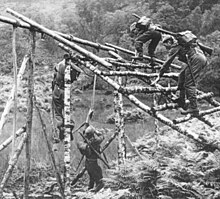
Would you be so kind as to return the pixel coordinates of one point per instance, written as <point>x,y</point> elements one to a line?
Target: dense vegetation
<point>175,167</point>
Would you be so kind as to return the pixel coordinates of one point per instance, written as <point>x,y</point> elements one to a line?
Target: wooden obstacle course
<point>113,65</point>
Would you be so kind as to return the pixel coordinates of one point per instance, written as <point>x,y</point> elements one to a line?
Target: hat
<point>90,131</point>
<point>66,56</point>
<point>166,38</point>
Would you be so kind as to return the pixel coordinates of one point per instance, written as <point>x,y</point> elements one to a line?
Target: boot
<point>181,102</point>
<point>138,55</point>
<point>192,111</point>
<point>152,61</point>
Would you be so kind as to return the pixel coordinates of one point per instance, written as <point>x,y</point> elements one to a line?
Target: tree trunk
<point>11,97</point>
<point>29,116</point>
<point>67,141</point>
<point>9,140</point>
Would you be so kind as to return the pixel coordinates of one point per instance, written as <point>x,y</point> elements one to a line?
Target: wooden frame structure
<point>113,65</point>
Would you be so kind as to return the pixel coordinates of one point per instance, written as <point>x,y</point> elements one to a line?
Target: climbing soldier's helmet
<point>89,132</point>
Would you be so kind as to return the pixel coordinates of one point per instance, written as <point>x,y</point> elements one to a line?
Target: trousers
<point>152,35</point>
<point>189,77</point>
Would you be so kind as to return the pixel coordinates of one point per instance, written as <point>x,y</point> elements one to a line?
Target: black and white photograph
<point>110,99</point>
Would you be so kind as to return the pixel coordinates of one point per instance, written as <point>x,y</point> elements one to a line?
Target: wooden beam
<point>12,163</point>
<point>11,97</point>
<point>29,116</point>
<point>9,140</point>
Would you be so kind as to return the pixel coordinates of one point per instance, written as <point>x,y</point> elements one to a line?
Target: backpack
<point>133,30</point>
<point>187,38</point>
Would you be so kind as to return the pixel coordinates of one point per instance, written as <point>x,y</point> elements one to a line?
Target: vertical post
<point>15,87</point>
<point>29,115</point>
<point>58,177</point>
<point>119,123</point>
<point>156,122</point>
<point>67,140</point>
<point>12,163</point>
<point>11,97</point>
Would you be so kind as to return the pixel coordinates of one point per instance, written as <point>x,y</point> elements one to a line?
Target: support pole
<point>15,86</point>
<point>9,140</point>
<point>29,116</point>
<point>11,97</point>
<point>119,123</point>
<point>67,140</point>
<point>12,163</point>
<point>58,176</point>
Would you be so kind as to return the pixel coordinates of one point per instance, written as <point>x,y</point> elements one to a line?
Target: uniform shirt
<point>87,151</point>
<point>60,73</point>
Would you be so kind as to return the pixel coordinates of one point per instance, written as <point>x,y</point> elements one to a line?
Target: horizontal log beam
<point>133,54</point>
<point>201,114</point>
<point>138,74</point>
<point>144,89</point>
<point>130,65</point>
<point>164,107</point>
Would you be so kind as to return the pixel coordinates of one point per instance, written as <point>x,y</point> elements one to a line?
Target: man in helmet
<point>95,138</point>
<point>58,90</point>
<point>195,60</point>
<point>145,31</point>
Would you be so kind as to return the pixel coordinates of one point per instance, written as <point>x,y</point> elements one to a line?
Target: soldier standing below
<point>190,53</point>
<point>58,91</point>
<point>94,170</point>
<point>145,31</point>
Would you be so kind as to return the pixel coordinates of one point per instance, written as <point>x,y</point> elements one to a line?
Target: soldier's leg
<point>155,39</point>
<point>181,88</point>
<point>98,176</point>
<point>190,88</point>
<point>139,42</point>
<point>89,168</point>
<point>58,104</point>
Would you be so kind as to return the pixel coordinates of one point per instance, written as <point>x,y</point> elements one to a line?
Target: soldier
<point>145,30</point>
<point>94,170</point>
<point>58,91</point>
<point>195,60</point>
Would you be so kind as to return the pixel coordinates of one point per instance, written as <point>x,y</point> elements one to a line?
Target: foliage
<point>172,168</point>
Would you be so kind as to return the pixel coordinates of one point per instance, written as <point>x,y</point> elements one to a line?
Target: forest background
<point>99,21</point>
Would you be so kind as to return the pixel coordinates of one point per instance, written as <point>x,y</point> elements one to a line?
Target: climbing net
<point>115,66</point>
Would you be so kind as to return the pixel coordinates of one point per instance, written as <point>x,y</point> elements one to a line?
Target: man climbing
<point>94,170</point>
<point>189,53</point>
<point>58,91</point>
<point>145,31</point>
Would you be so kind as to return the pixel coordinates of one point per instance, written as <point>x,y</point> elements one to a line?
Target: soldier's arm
<point>82,146</point>
<point>74,66</point>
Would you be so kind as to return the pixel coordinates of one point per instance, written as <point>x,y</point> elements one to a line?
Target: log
<point>129,65</point>
<point>58,176</point>
<point>9,140</point>
<point>67,137</point>
<point>12,163</point>
<point>133,54</point>
<point>29,116</point>
<point>119,123</point>
<point>201,114</point>
<point>15,86</point>
<point>60,39</point>
<point>175,105</point>
<point>147,89</point>
<point>11,97</point>
<point>138,74</point>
